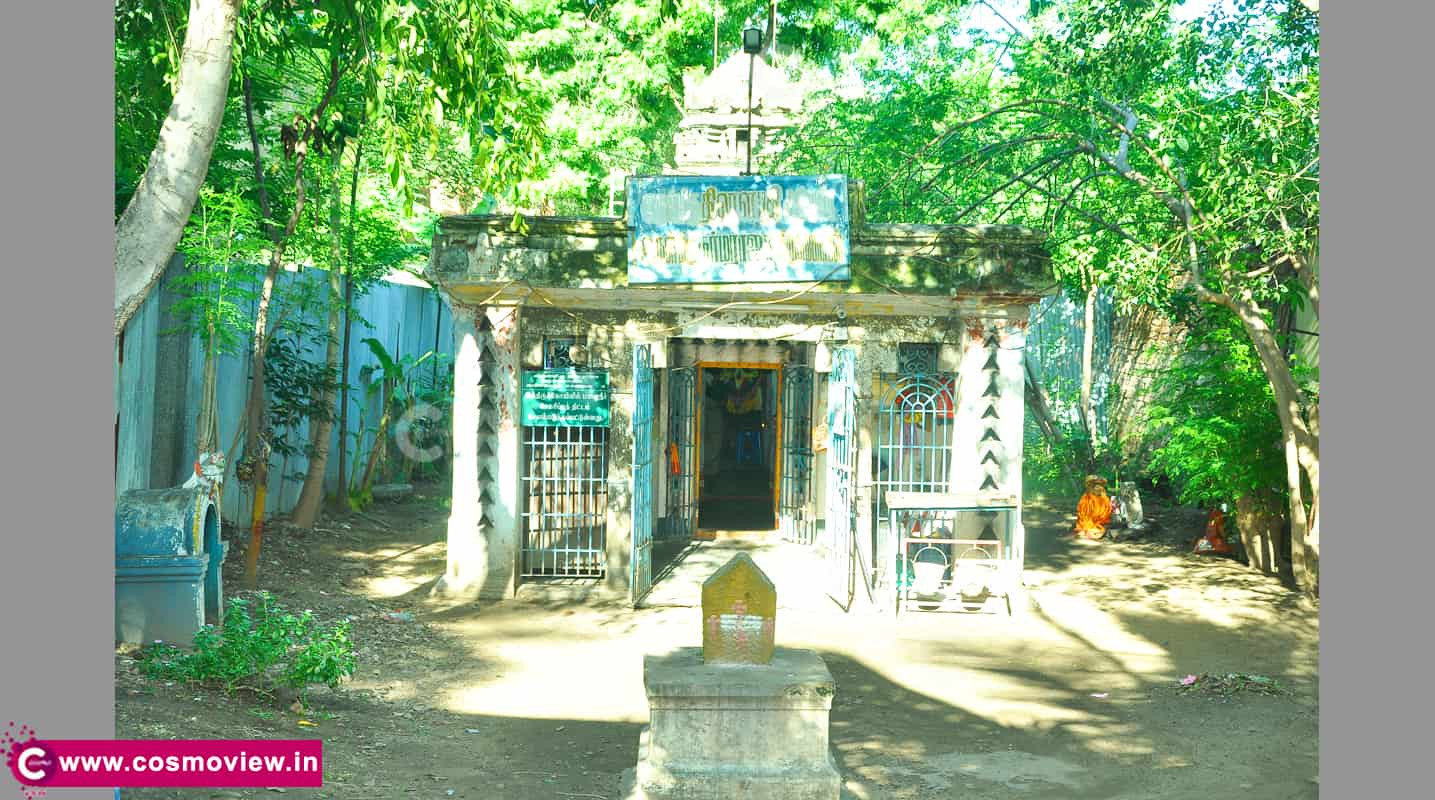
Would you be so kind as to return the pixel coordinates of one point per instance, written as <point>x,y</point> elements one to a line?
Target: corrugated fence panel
<point>1053,346</point>
<point>134,398</point>
<point>401,317</point>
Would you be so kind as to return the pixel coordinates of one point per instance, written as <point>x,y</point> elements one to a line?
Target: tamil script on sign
<point>738,229</point>
<point>565,399</point>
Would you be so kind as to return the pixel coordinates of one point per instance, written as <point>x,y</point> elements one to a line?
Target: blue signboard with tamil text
<point>748,229</point>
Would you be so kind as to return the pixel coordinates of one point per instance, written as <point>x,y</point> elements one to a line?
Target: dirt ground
<point>541,697</point>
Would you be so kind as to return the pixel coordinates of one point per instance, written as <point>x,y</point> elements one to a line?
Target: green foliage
<point>1009,131</point>
<point>395,375</point>
<point>1056,468</point>
<point>382,243</point>
<point>1215,412</point>
<point>412,72</point>
<point>435,390</point>
<point>423,82</point>
<point>611,74</point>
<point>259,641</point>
<point>360,498</point>
<point>222,247</point>
<point>1155,151</point>
<point>148,38</point>
<point>297,387</point>
<point>1048,468</point>
<point>399,384</point>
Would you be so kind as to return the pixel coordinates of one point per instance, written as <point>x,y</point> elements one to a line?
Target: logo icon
<point>424,417</point>
<point>31,761</point>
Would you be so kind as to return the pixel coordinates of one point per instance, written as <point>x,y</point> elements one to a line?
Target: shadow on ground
<point>542,697</point>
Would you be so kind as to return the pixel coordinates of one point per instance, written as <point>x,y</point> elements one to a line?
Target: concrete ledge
<point>567,252</point>
<point>160,598</point>
<point>656,780</point>
<point>793,676</point>
<point>736,730</point>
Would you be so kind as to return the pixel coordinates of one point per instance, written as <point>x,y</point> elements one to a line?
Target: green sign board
<point>565,398</point>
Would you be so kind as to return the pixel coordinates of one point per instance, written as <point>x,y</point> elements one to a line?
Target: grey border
<point>1375,640</point>
<point>57,572</point>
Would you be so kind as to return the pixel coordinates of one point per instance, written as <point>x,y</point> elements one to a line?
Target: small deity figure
<point>1093,510</point>
<point>1214,540</point>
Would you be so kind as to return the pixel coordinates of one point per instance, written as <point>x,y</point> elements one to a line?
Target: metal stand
<point>971,570</point>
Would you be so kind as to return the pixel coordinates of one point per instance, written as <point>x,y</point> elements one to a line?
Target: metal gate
<point>642,559</point>
<point>795,512</point>
<point>681,455</point>
<point>912,450</point>
<point>565,513</point>
<point>914,435</point>
<point>841,477</point>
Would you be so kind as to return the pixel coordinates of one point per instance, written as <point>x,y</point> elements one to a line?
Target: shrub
<point>259,642</point>
<point>1217,414</point>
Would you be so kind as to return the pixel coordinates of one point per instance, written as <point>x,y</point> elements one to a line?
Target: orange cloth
<point>1215,539</point>
<point>1093,513</point>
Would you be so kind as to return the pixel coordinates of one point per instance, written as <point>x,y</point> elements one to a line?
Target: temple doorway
<point>738,447</point>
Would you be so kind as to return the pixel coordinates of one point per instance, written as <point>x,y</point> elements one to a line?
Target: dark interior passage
<point>739,417</point>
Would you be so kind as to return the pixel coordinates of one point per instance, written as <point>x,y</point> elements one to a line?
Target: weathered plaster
<point>569,253</point>
<point>966,288</point>
<point>483,525</point>
<point>466,546</point>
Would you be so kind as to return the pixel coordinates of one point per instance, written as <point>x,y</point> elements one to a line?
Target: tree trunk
<point>1040,408</point>
<point>1088,353</point>
<point>1262,528</point>
<point>311,497</point>
<point>341,500</point>
<point>206,430</point>
<point>255,448</point>
<point>1300,432</point>
<point>152,223</point>
<point>378,448</point>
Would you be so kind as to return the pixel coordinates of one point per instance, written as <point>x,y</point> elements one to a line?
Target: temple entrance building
<point>734,355</point>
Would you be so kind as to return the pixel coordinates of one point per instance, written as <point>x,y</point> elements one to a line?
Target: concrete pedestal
<point>720,731</point>
<point>168,564</point>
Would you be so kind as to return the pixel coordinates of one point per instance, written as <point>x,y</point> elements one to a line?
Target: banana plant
<point>393,382</point>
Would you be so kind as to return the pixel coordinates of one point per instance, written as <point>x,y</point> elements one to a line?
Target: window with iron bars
<point>557,351</point>
<point>917,358</point>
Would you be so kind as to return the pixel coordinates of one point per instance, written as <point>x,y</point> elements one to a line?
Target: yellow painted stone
<point>739,614</point>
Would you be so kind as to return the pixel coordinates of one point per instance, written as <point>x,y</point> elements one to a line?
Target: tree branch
<point>1020,105</point>
<point>264,209</point>
<point>988,151</point>
<point>1021,178</point>
<point>1090,217</point>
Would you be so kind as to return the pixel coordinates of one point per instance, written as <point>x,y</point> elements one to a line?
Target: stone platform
<point>720,731</point>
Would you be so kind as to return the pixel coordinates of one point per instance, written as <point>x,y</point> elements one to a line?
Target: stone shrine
<point>739,614</point>
<point>738,717</point>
